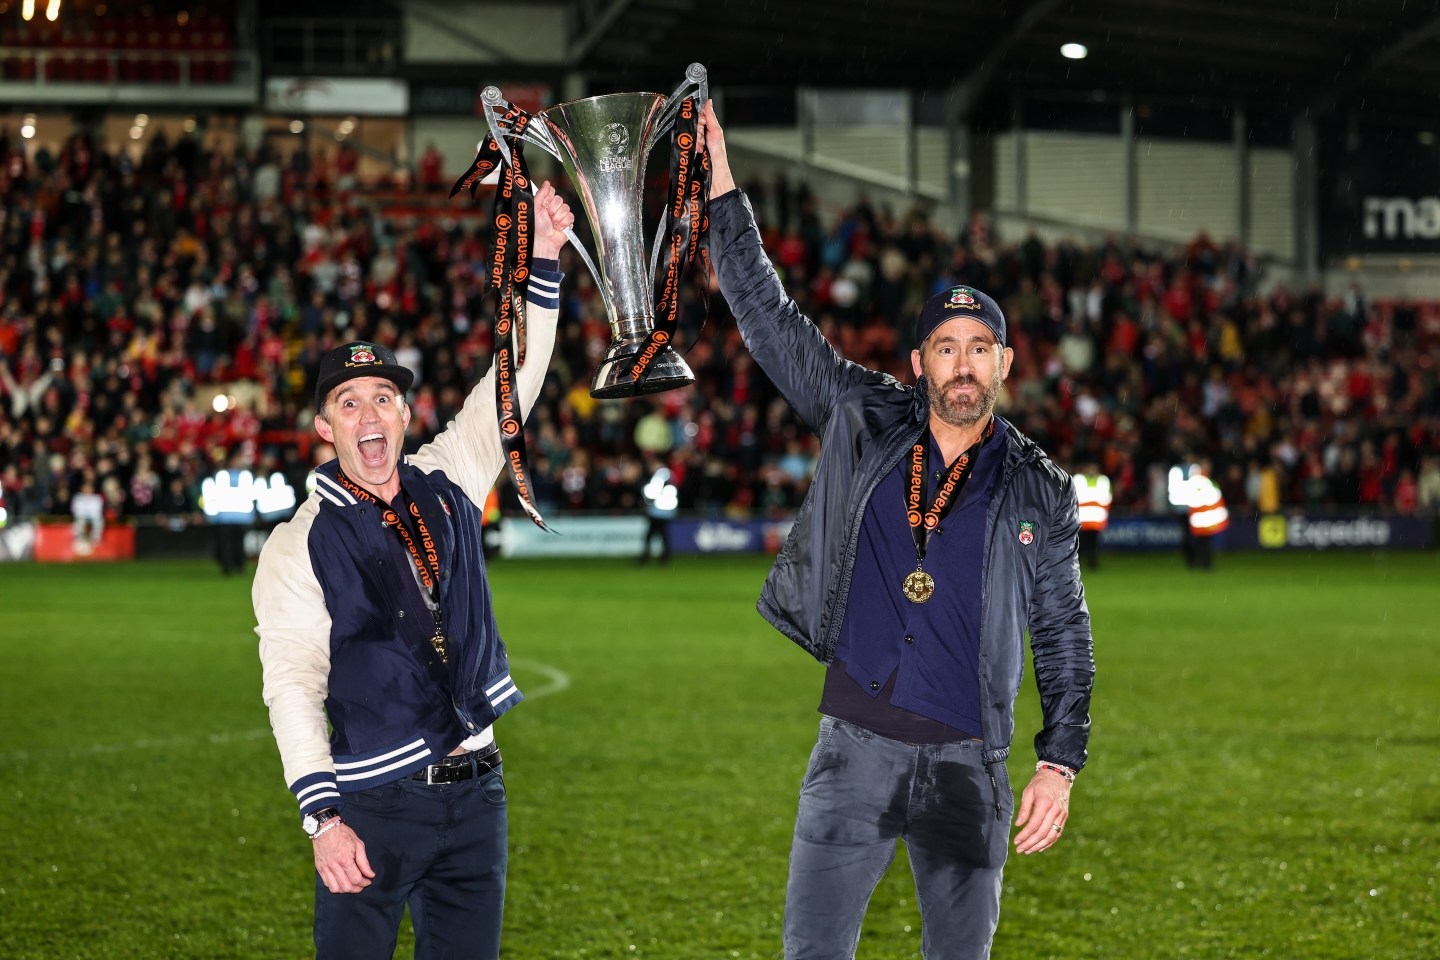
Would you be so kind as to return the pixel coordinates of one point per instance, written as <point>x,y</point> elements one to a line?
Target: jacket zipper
<point>994,789</point>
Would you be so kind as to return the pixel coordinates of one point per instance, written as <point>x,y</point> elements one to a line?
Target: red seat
<point>131,68</point>
<point>20,67</point>
<point>222,64</point>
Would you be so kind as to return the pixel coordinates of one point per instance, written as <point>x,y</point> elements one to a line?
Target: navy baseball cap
<point>359,359</point>
<point>959,302</point>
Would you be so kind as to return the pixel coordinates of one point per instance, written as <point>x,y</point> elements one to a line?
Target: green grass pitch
<point>1263,778</point>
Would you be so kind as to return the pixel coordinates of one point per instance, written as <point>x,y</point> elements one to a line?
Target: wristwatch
<point>312,822</point>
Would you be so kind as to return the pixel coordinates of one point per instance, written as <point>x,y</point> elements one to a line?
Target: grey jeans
<point>861,793</point>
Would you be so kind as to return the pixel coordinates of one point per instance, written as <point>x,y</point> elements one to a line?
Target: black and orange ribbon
<point>509,270</point>
<point>922,520</point>
<point>687,224</point>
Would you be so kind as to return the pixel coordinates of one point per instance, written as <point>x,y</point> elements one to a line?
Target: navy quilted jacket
<point>866,420</point>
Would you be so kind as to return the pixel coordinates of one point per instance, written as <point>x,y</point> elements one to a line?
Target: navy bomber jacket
<point>344,636</point>
<point>866,421</point>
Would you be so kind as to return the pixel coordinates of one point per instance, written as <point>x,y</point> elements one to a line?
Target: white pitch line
<point>556,681</point>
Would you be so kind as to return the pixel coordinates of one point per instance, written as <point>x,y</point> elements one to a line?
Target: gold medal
<point>918,587</point>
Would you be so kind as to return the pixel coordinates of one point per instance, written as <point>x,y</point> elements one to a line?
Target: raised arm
<point>468,449</point>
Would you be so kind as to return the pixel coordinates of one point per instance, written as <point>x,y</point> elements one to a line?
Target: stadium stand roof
<point>1379,59</point>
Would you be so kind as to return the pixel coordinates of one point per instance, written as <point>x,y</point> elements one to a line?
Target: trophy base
<point>613,379</point>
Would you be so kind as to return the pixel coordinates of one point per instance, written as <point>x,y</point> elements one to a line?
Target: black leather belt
<point>463,766</point>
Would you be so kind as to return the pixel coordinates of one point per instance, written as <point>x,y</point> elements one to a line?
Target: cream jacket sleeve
<point>468,449</point>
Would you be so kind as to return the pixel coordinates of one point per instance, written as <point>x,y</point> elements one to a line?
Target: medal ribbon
<point>922,524</point>
<point>509,269</point>
<point>686,226</point>
<point>423,554</point>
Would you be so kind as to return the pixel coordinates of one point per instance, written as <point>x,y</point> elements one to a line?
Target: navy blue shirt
<point>926,656</point>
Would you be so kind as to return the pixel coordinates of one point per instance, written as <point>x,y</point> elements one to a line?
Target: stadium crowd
<point>134,290</point>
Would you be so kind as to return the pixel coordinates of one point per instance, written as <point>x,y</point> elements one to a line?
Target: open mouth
<point>372,449</point>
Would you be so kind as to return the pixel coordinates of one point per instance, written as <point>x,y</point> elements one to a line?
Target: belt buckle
<point>430,775</point>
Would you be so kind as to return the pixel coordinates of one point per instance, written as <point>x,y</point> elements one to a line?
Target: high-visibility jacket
<point>1208,515</point>
<point>1094,497</point>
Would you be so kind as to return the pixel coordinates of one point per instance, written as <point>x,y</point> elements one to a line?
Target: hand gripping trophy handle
<point>603,144</point>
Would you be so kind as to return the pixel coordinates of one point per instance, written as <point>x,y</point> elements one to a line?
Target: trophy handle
<point>697,81</point>
<point>538,135</point>
<point>500,129</point>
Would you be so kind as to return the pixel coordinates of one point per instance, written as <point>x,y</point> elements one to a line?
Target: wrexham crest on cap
<point>962,298</point>
<point>1027,532</point>
<point>361,354</point>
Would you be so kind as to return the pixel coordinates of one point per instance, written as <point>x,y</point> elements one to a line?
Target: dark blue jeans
<point>440,849</point>
<point>862,793</point>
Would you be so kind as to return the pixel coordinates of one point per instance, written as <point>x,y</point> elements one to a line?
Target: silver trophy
<point>603,143</point>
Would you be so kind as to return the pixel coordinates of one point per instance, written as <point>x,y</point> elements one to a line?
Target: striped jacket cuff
<point>500,690</point>
<point>543,286</point>
<point>316,791</point>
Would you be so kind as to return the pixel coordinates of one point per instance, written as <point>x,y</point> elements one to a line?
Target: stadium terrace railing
<point>33,75</point>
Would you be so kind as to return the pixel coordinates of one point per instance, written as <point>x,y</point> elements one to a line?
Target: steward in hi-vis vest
<point>1092,489</point>
<point>1207,515</point>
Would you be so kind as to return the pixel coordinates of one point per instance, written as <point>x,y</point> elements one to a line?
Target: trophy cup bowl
<point>603,143</point>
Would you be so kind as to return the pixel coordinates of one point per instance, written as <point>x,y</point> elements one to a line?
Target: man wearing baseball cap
<point>383,666</point>
<point>933,537</point>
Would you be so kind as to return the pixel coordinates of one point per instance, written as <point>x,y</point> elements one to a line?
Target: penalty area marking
<point>556,681</point>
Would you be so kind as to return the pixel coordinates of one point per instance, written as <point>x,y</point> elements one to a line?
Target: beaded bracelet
<point>330,824</point>
<point>1065,772</point>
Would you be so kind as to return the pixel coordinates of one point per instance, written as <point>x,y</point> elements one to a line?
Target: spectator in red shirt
<point>432,175</point>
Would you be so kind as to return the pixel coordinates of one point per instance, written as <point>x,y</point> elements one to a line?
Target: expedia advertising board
<point>1380,193</point>
<point>1278,532</point>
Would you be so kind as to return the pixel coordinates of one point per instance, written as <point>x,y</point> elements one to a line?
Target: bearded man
<point>933,537</point>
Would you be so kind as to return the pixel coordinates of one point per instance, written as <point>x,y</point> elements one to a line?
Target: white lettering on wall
<point>1397,218</point>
